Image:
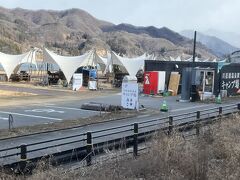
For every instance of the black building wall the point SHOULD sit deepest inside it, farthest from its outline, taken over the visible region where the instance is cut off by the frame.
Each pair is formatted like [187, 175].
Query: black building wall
[177, 66]
[230, 79]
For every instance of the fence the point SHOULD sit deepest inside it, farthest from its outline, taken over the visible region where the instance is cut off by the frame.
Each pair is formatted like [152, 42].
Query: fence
[89, 144]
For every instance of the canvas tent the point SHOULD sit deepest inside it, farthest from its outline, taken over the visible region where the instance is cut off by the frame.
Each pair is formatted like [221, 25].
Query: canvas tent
[171, 58]
[30, 59]
[131, 65]
[11, 63]
[189, 59]
[178, 58]
[102, 62]
[105, 63]
[68, 64]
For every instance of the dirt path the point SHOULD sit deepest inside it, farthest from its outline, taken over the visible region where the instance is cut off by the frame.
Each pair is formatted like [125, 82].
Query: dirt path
[15, 94]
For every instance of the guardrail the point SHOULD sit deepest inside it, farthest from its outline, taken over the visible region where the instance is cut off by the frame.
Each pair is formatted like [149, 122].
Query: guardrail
[90, 142]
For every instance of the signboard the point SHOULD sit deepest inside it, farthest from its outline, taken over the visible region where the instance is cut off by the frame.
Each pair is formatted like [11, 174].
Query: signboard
[92, 85]
[154, 82]
[130, 95]
[161, 81]
[77, 81]
[230, 79]
[150, 84]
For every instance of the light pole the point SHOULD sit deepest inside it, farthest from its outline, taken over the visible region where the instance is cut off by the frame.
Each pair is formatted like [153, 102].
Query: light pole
[194, 46]
[193, 86]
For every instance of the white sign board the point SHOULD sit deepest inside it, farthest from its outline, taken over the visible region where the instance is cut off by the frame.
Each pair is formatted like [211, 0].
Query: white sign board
[130, 95]
[92, 85]
[77, 81]
[161, 80]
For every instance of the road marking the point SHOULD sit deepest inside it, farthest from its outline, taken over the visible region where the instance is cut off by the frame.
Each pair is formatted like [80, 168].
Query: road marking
[39, 104]
[61, 107]
[187, 108]
[29, 115]
[45, 111]
[76, 109]
[3, 118]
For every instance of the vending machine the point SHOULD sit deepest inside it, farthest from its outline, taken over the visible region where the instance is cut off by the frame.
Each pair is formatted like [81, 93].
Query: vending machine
[154, 82]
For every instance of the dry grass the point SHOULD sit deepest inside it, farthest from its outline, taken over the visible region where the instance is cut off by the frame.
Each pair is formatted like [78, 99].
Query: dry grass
[215, 154]
[8, 93]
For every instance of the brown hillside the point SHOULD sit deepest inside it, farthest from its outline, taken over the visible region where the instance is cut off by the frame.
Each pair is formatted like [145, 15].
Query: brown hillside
[75, 31]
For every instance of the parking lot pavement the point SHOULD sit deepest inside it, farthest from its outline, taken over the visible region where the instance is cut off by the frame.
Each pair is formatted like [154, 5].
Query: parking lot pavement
[44, 113]
[41, 114]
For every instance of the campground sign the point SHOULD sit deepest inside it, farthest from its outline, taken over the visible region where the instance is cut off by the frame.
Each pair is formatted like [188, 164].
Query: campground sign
[130, 95]
[230, 79]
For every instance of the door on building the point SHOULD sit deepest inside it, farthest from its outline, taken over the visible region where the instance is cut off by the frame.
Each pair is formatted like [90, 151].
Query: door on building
[209, 81]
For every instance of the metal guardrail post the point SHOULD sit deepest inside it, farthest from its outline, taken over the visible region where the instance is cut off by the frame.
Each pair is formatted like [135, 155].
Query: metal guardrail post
[100, 109]
[89, 149]
[220, 111]
[170, 125]
[238, 106]
[198, 115]
[10, 122]
[23, 157]
[135, 140]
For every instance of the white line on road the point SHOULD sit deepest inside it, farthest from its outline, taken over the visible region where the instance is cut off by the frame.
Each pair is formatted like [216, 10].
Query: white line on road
[3, 118]
[29, 115]
[69, 108]
[44, 111]
[60, 107]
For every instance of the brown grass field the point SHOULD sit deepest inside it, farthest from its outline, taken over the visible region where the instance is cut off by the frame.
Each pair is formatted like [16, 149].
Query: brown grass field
[4, 93]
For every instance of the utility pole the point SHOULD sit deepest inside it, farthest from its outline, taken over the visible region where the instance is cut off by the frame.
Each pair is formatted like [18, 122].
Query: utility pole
[192, 85]
[194, 46]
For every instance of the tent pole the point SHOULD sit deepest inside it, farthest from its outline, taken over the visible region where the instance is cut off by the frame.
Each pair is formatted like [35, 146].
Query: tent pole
[43, 67]
[30, 71]
[113, 70]
[94, 54]
[27, 62]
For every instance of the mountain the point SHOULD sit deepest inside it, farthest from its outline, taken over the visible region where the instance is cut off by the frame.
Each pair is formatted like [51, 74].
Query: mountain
[174, 45]
[74, 31]
[151, 31]
[218, 46]
[230, 37]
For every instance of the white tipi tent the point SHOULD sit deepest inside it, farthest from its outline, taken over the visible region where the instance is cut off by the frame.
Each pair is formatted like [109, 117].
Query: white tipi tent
[132, 65]
[171, 58]
[68, 65]
[102, 62]
[30, 58]
[178, 58]
[109, 66]
[10, 62]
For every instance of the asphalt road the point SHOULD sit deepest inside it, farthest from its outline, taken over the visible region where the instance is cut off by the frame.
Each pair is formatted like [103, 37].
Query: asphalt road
[47, 113]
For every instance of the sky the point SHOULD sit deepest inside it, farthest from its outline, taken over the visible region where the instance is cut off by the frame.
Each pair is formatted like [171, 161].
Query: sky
[200, 15]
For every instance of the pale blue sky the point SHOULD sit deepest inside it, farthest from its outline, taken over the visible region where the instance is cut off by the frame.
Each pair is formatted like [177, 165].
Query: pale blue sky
[176, 14]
